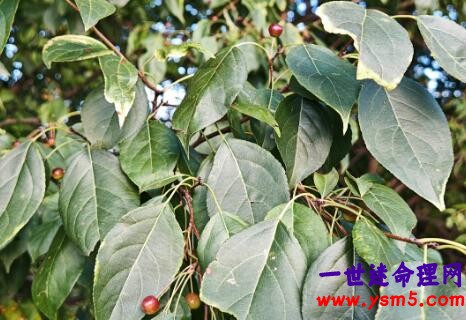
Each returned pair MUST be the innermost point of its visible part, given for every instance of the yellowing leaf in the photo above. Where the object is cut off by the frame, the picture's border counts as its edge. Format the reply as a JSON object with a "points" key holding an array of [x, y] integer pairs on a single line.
{"points": [[385, 50]]}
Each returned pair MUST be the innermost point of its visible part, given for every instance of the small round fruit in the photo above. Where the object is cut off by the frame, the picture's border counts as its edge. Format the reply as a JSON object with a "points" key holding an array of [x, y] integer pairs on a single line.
{"points": [[193, 300], [51, 142], [275, 30], [150, 305], [58, 173]]}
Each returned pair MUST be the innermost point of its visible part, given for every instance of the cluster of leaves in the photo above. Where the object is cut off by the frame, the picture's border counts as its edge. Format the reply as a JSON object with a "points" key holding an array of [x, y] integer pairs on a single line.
{"points": [[240, 199]]}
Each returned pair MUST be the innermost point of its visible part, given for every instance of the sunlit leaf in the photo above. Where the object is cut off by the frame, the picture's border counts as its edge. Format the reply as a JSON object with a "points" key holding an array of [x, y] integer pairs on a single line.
{"points": [[447, 43], [7, 14], [120, 83], [72, 48], [385, 50], [92, 11], [407, 132], [176, 7]]}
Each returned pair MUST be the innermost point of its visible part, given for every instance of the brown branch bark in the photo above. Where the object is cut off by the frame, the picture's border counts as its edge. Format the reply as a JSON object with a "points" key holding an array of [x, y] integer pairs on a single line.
{"points": [[10, 121], [188, 200]]}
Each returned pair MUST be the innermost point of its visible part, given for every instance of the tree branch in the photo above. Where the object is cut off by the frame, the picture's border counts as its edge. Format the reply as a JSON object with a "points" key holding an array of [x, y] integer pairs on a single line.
{"points": [[10, 121], [409, 240], [188, 200], [109, 44]]}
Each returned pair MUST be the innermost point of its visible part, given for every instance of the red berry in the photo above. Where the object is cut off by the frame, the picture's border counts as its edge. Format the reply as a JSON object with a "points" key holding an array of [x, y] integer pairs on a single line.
{"points": [[150, 305], [58, 173], [193, 300], [51, 142], [275, 30]]}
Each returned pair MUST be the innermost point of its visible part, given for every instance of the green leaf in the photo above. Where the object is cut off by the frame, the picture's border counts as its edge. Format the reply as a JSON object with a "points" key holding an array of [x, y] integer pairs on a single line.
{"points": [[306, 137], [100, 120], [407, 132], [12, 282], [421, 294], [258, 112], [13, 251], [201, 217], [385, 50], [326, 76], [155, 69], [373, 246], [447, 43], [261, 98], [95, 194], [139, 257], [150, 157], [22, 188], [218, 230], [290, 36], [176, 7], [217, 3], [57, 275], [305, 225], [325, 183], [189, 163], [120, 83], [41, 237], [391, 208], [252, 54], [72, 48], [52, 111], [119, 3], [92, 11], [7, 15], [210, 93], [175, 51], [257, 274], [338, 257], [256, 181]]}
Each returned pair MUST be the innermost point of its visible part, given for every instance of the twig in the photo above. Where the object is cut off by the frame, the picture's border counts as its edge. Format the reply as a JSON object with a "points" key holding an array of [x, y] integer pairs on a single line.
{"points": [[271, 60], [189, 203], [10, 121], [409, 240], [109, 44]]}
